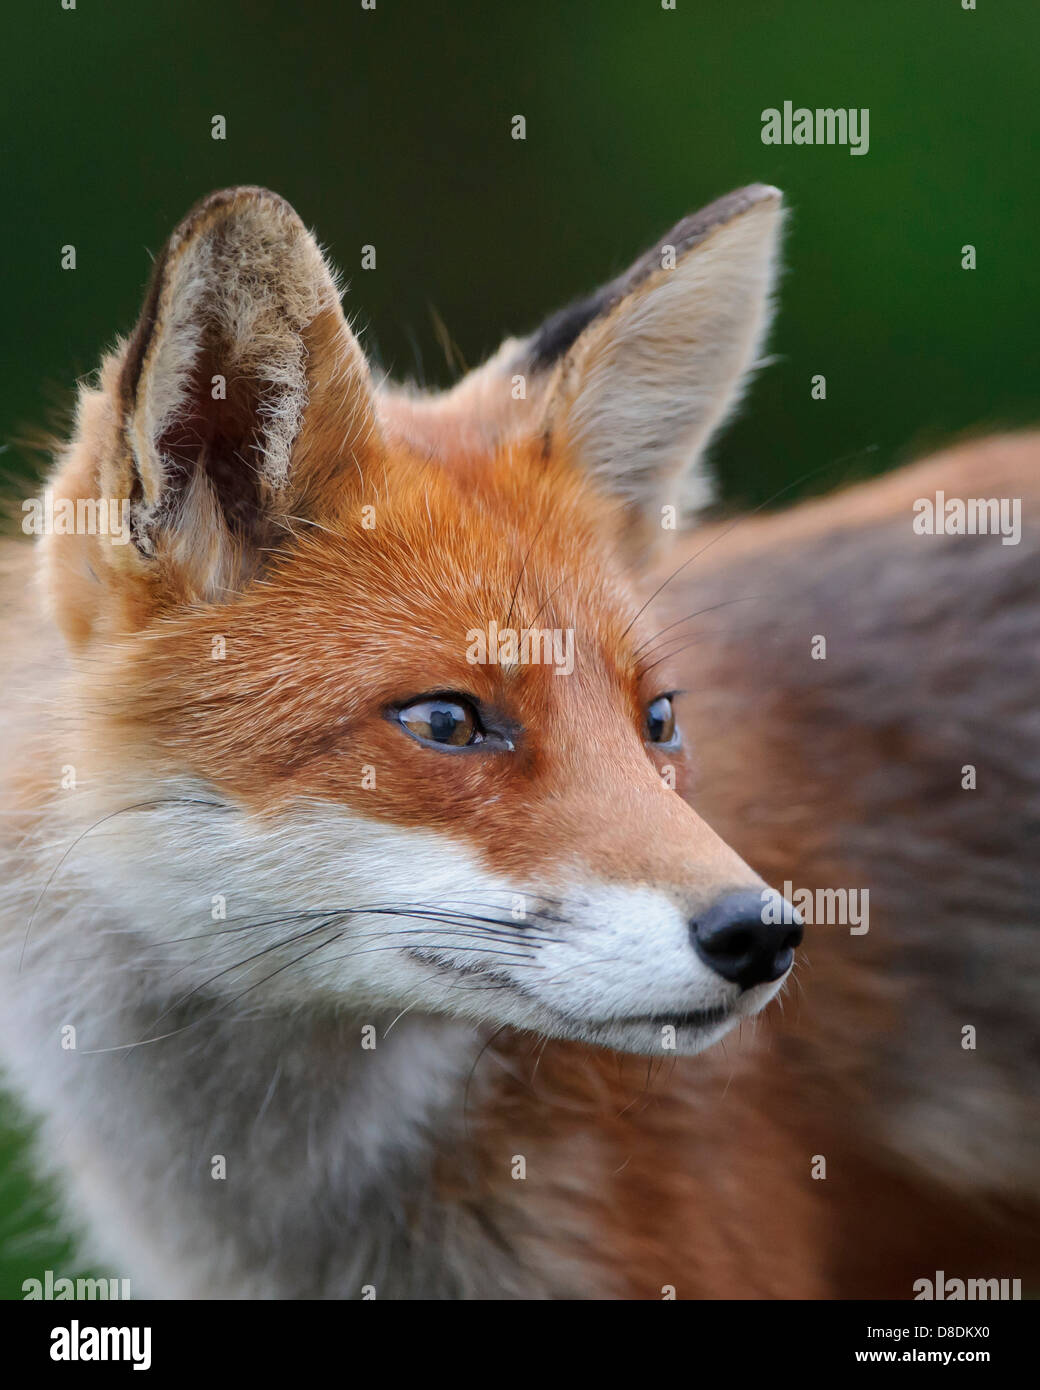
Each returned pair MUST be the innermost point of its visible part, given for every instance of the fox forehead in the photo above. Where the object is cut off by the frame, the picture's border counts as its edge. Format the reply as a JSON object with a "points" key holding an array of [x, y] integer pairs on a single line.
{"points": [[281, 693]]}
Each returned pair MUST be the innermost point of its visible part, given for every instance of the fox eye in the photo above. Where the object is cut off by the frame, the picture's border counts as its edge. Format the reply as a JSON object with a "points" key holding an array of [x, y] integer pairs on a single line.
{"points": [[660, 720], [446, 721]]}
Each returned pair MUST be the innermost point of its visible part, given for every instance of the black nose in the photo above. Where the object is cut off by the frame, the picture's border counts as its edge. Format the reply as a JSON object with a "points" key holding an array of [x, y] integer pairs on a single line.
{"points": [[748, 937]]}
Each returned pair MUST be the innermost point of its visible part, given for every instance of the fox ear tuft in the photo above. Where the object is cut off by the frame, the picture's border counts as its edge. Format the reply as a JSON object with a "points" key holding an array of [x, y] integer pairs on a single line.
{"points": [[241, 330], [647, 368]]}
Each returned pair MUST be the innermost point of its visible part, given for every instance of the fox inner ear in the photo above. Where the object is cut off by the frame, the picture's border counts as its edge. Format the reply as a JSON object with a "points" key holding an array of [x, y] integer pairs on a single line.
{"points": [[242, 342], [647, 368]]}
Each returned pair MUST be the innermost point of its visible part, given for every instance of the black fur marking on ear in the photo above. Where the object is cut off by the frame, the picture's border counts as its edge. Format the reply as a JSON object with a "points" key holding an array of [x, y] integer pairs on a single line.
{"points": [[141, 338], [137, 347], [561, 330], [558, 334]]}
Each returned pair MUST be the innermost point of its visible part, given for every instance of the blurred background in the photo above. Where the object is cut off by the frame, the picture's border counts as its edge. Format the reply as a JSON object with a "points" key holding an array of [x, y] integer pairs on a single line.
{"points": [[391, 127]]}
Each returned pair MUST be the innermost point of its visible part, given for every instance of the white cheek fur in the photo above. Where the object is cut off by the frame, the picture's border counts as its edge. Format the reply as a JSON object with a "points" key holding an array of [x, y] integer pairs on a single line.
{"points": [[326, 905]]}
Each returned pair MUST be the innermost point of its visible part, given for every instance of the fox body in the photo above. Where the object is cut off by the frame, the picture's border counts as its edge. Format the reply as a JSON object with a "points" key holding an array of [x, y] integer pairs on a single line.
{"points": [[336, 942]]}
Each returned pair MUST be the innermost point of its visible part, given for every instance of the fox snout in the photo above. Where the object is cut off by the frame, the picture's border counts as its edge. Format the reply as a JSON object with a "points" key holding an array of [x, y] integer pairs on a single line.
{"points": [[734, 938]]}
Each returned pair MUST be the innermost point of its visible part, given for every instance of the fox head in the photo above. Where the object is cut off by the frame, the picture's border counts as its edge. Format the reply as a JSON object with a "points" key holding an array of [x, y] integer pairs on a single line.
{"points": [[367, 708]]}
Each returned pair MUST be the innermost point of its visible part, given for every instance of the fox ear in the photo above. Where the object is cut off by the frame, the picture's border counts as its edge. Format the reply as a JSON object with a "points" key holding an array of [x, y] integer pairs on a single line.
{"points": [[647, 368], [242, 347]]}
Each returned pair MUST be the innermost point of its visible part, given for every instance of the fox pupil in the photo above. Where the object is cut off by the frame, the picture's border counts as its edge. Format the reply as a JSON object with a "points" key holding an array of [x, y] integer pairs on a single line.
{"points": [[443, 723], [660, 720]]}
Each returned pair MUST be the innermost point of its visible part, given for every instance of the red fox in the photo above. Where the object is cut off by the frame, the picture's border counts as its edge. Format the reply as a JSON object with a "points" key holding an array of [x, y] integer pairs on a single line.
{"points": [[403, 788]]}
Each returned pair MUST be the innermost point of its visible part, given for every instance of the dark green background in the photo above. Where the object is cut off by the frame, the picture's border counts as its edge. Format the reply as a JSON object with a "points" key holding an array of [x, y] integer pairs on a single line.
{"points": [[393, 127]]}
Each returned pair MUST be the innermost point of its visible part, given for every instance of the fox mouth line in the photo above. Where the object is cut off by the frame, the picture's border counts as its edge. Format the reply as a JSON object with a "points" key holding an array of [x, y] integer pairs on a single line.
{"points": [[693, 1018], [690, 1018]]}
